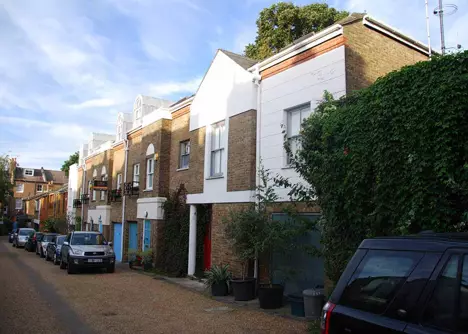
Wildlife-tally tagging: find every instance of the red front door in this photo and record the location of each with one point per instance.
(207, 247)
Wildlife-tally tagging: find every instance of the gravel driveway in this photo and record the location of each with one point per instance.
(36, 292)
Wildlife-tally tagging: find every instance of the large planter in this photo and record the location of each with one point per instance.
(270, 296)
(147, 266)
(243, 289)
(219, 289)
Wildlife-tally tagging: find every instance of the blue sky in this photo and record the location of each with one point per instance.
(68, 67)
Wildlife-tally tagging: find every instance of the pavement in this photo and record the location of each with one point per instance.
(36, 296)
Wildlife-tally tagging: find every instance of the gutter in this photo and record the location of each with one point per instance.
(268, 62)
(395, 34)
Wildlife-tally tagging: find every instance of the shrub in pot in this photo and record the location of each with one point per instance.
(218, 278)
(147, 259)
(133, 258)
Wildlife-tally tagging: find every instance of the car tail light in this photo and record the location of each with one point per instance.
(326, 314)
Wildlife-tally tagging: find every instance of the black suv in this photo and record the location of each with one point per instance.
(412, 284)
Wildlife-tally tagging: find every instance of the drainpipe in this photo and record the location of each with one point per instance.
(124, 197)
(83, 179)
(258, 82)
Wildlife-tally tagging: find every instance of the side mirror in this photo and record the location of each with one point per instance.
(109, 243)
(65, 243)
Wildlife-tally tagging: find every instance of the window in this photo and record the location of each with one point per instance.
(119, 181)
(18, 204)
(37, 205)
(217, 147)
(20, 187)
(103, 192)
(378, 278)
(136, 175)
(442, 310)
(39, 188)
(295, 117)
(29, 172)
(184, 154)
(149, 173)
(94, 191)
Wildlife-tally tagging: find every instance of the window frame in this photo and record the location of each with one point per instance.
(26, 170)
(18, 200)
(136, 167)
(149, 173)
(301, 108)
(103, 192)
(183, 153)
(119, 181)
(37, 188)
(214, 151)
(22, 187)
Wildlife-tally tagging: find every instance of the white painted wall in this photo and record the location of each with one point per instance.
(102, 211)
(72, 189)
(300, 84)
(151, 207)
(226, 90)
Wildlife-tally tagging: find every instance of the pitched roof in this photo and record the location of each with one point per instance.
(41, 175)
(243, 61)
(181, 100)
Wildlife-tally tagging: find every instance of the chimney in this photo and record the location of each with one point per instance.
(43, 174)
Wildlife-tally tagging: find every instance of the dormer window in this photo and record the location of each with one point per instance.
(29, 172)
(137, 110)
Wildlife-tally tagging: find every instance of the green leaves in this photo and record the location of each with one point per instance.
(218, 274)
(73, 159)
(283, 22)
(390, 159)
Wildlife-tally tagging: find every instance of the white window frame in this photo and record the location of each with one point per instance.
(119, 181)
(103, 192)
(217, 148)
(20, 187)
(184, 151)
(149, 173)
(41, 186)
(18, 207)
(28, 172)
(303, 111)
(136, 175)
(93, 198)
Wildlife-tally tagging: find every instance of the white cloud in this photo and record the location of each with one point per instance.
(93, 103)
(168, 88)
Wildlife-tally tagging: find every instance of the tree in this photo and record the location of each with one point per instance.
(284, 22)
(6, 187)
(73, 159)
(391, 159)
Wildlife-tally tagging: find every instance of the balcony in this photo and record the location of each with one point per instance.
(115, 195)
(84, 198)
(131, 188)
(77, 203)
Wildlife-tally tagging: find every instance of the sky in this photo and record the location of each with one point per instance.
(68, 67)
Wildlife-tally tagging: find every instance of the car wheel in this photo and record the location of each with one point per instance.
(70, 268)
(62, 264)
(111, 268)
(47, 257)
(55, 259)
(42, 253)
(13, 244)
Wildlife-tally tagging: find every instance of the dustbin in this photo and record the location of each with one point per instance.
(313, 303)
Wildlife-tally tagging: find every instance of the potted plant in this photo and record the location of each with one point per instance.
(134, 258)
(217, 278)
(147, 259)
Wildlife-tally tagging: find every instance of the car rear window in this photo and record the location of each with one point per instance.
(25, 232)
(48, 238)
(60, 240)
(378, 278)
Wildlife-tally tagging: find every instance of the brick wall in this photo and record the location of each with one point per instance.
(197, 160)
(371, 54)
(241, 163)
(96, 163)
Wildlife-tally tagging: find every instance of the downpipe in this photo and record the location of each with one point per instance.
(124, 197)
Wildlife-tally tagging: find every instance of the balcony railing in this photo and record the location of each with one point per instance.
(115, 195)
(77, 203)
(131, 188)
(84, 198)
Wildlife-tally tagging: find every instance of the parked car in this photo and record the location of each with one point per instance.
(38, 240)
(42, 244)
(20, 238)
(31, 244)
(11, 235)
(54, 247)
(413, 284)
(86, 249)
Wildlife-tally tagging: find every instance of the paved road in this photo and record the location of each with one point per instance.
(36, 296)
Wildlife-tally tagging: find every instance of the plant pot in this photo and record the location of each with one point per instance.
(243, 289)
(297, 305)
(130, 264)
(147, 266)
(219, 289)
(270, 296)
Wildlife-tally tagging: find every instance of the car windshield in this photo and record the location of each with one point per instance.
(60, 240)
(25, 232)
(88, 239)
(48, 238)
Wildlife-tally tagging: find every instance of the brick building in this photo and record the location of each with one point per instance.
(212, 142)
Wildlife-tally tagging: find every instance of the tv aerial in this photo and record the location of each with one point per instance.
(441, 11)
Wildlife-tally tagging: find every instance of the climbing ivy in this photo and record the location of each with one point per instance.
(390, 159)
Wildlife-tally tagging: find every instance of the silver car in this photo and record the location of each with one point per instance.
(42, 245)
(86, 250)
(21, 236)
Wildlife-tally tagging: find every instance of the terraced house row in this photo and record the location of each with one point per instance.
(210, 144)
